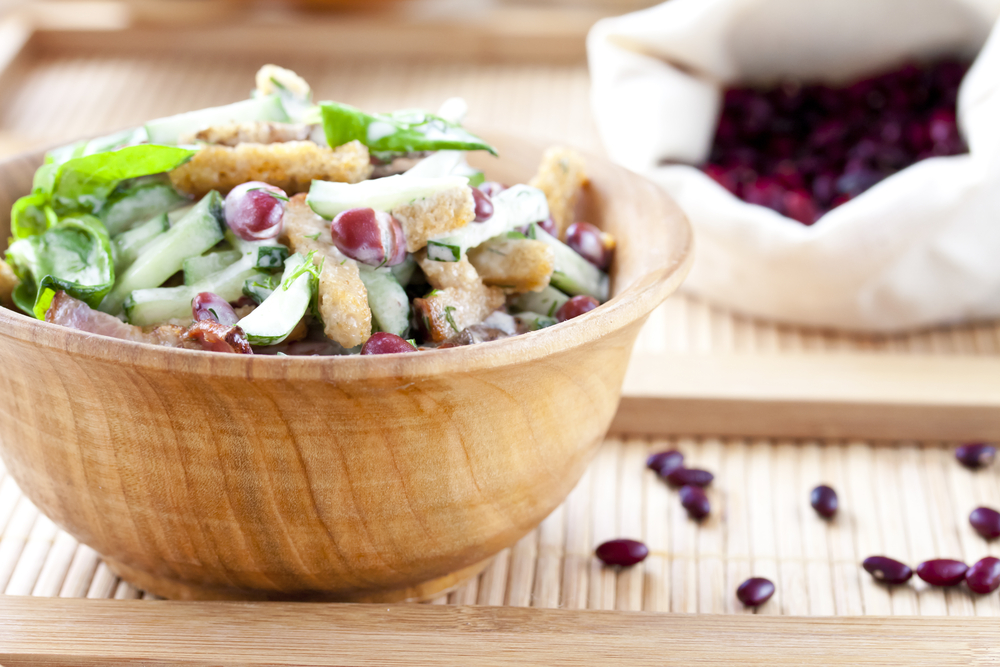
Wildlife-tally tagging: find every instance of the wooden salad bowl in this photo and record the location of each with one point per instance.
(202, 475)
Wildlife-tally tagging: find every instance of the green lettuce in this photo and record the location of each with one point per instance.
(401, 132)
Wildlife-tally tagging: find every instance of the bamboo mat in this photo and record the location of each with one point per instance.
(907, 500)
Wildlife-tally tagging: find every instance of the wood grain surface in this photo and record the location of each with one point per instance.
(90, 633)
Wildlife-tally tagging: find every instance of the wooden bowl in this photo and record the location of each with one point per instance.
(201, 475)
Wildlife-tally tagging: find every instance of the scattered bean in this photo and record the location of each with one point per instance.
(622, 552)
(664, 462)
(577, 306)
(254, 210)
(975, 454)
(689, 477)
(755, 591)
(368, 236)
(887, 570)
(824, 501)
(986, 521)
(695, 501)
(211, 306)
(942, 571)
(591, 243)
(984, 576)
(383, 342)
(483, 203)
(491, 188)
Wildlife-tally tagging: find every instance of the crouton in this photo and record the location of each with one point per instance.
(271, 79)
(251, 132)
(291, 166)
(449, 311)
(8, 281)
(442, 275)
(560, 176)
(435, 215)
(343, 299)
(514, 265)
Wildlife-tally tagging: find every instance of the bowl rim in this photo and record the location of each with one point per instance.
(635, 302)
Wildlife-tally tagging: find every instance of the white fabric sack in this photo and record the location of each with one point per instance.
(921, 247)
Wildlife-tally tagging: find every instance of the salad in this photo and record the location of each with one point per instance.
(275, 225)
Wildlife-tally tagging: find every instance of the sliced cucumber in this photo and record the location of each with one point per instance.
(178, 213)
(202, 266)
(272, 321)
(138, 203)
(261, 286)
(195, 233)
(268, 255)
(382, 194)
(572, 274)
(169, 130)
(387, 300)
(546, 302)
(126, 246)
(404, 270)
(514, 207)
(534, 321)
(445, 163)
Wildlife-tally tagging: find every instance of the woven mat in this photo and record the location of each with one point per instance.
(908, 500)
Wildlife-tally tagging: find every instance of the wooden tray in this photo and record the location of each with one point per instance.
(873, 416)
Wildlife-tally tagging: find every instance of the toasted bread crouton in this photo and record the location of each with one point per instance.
(514, 265)
(449, 311)
(8, 281)
(435, 215)
(442, 275)
(291, 166)
(343, 299)
(250, 132)
(272, 79)
(560, 176)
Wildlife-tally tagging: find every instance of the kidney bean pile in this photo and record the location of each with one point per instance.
(982, 577)
(803, 150)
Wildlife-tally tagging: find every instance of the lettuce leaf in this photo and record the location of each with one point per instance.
(401, 132)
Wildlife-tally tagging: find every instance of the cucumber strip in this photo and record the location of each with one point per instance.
(195, 233)
(178, 214)
(202, 266)
(534, 321)
(169, 130)
(387, 300)
(514, 207)
(572, 274)
(382, 194)
(546, 302)
(445, 163)
(128, 245)
(268, 255)
(145, 307)
(404, 270)
(272, 321)
(260, 287)
(138, 203)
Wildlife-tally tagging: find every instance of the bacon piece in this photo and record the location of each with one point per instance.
(215, 337)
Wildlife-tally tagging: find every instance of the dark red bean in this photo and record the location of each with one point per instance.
(984, 576)
(986, 521)
(942, 571)
(755, 591)
(254, 210)
(622, 552)
(386, 343)
(368, 236)
(576, 306)
(887, 570)
(689, 477)
(483, 204)
(694, 500)
(664, 462)
(824, 500)
(975, 454)
(591, 243)
(491, 188)
(549, 225)
(212, 307)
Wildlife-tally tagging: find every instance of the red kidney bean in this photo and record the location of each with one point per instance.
(664, 462)
(549, 225)
(887, 570)
(483, 205)
(984, 576)
(824, 500)
(212, 307)
(491, 188)
(386, 343)
(986, 521)
(622, 552)
(942, 571)
(254, 210)
(368, 236)
(689, 477)
(591, 243)
(576, 307)
(694, 500)
(975, 454)
(755, 591)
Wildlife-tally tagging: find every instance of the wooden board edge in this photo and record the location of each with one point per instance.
(84, 632)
